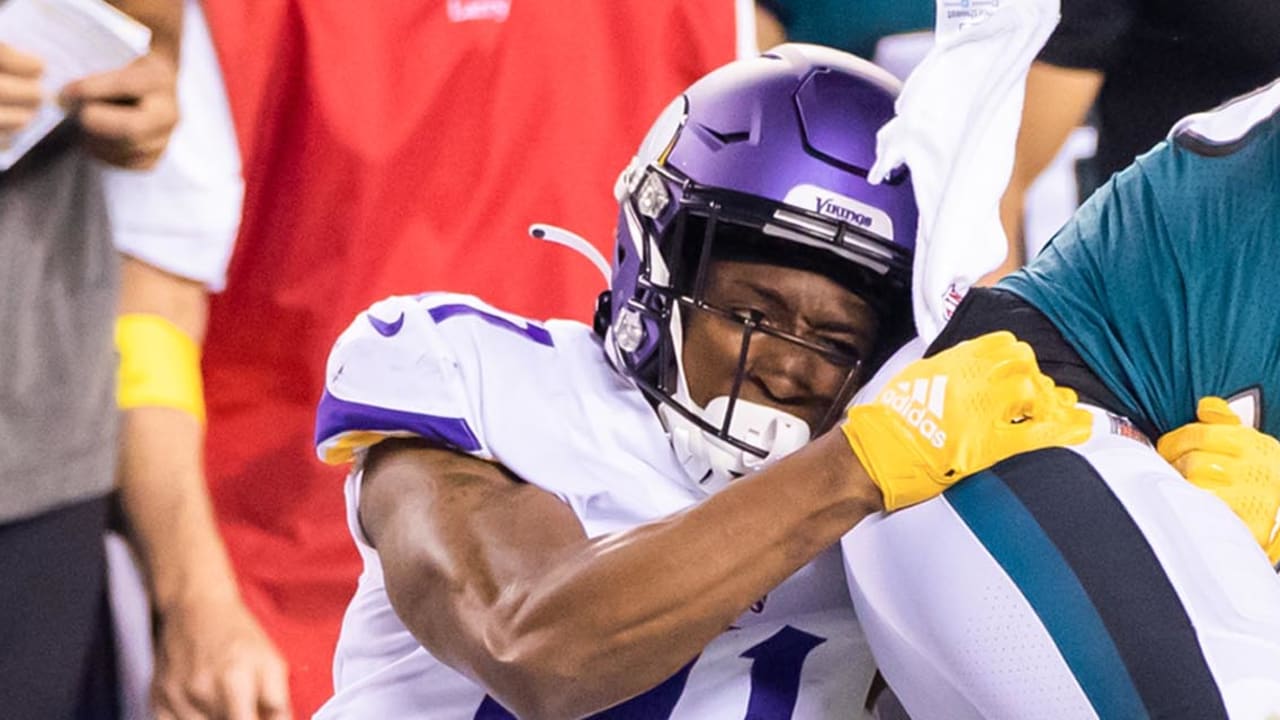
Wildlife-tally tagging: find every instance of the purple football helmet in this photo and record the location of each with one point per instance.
(774, 149)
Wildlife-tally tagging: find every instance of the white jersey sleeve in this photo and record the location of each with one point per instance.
(395, 372)
(539, 399)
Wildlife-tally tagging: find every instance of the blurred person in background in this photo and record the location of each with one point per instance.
(58, 289)
(172, 209)
(1141, 66)
(175, 225)
(389, 148)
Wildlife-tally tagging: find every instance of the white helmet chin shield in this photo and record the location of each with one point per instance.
(762, 161)
(713, 463)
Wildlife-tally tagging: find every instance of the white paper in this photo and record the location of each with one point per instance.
(74, 39)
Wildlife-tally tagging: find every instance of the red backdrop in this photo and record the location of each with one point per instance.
(395, 147)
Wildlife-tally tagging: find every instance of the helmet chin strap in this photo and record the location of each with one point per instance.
(713, 463)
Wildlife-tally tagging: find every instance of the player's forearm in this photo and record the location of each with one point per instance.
(163, 17)
(628, 610)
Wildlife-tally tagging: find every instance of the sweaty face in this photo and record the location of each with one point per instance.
(839, 328)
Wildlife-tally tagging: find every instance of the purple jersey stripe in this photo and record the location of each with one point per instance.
(335, 416)
(536, 333)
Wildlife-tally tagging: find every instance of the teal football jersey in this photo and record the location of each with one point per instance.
(1167, 281)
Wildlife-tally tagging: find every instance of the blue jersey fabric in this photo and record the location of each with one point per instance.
(1167, 281)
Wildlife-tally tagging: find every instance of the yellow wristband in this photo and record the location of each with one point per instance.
(159, 366)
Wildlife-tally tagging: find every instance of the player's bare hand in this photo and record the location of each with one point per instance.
(956, 413)
(20, 90)
(1237, 463)
(214, 661)
(128, 114)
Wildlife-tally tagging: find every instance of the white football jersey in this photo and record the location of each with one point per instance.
(542, 400)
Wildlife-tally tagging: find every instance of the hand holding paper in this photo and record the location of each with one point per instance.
(128, 114)
(56, 42)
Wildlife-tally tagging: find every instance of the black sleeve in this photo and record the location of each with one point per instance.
(1091, 33)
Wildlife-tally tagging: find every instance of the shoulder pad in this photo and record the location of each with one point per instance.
(394, 373)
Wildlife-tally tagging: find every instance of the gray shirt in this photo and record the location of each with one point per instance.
(59, 277)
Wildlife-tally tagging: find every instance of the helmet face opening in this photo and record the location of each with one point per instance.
(745, 170)
(715, 226)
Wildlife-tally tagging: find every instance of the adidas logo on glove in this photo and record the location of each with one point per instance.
(920, 404)
(996, 374)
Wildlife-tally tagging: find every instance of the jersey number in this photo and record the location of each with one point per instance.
(775, 684)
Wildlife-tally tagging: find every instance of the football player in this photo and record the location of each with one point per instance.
(639, 519)
(1095, 582)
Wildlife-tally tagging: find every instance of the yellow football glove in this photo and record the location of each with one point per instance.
(1237, 463)
(960, 412)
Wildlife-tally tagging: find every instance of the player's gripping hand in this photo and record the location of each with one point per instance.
(959, 412)
(1237, 463)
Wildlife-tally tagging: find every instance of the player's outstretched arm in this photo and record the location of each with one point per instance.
(497, 578)
(1237, 463)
